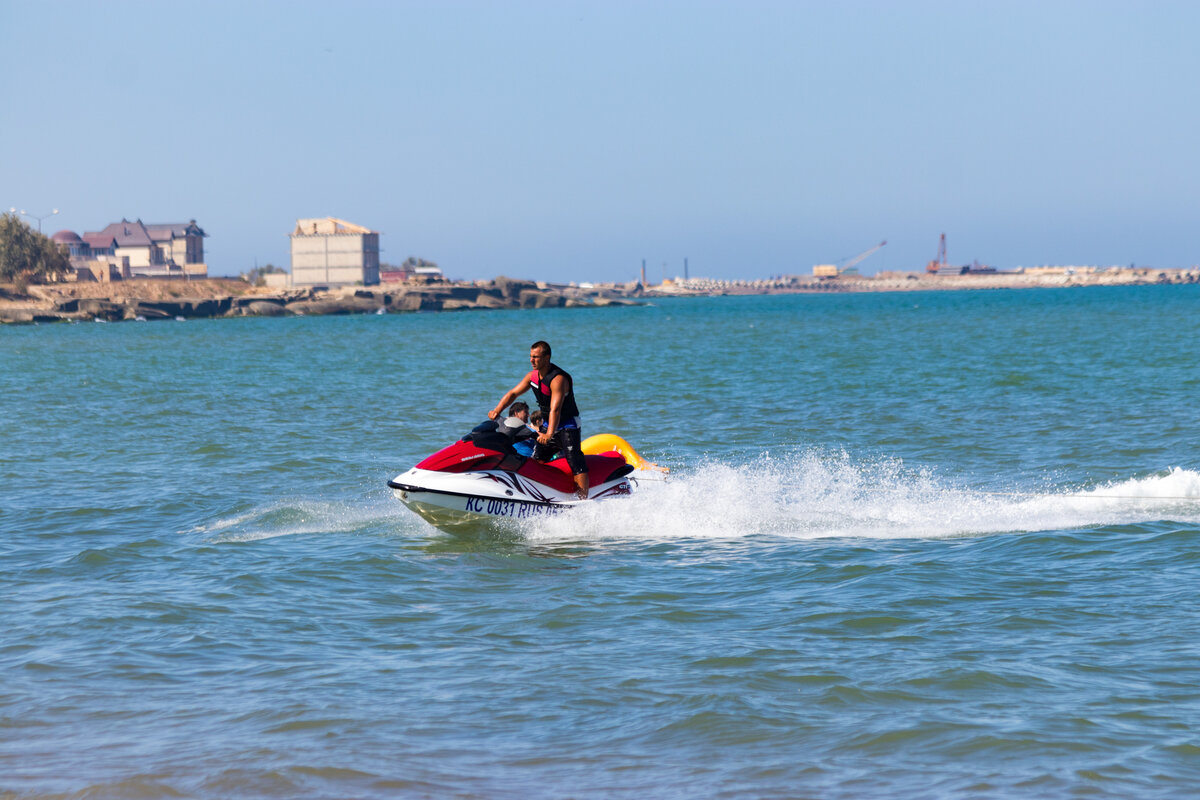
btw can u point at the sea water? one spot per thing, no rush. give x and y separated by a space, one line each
916 545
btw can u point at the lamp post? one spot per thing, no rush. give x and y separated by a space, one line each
25 213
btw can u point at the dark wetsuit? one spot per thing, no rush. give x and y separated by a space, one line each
566 438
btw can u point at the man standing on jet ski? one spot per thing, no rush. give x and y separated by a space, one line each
555 393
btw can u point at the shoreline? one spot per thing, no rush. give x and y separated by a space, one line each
1058 278
151 299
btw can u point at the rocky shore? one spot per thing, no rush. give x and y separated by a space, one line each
148 299
156 299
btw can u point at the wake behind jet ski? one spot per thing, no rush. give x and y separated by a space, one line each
482 478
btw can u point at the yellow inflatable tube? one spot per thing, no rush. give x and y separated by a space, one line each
608 442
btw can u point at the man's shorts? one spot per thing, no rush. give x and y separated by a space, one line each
566 441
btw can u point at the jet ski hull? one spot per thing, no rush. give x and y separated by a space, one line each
482 479
453 500
456 503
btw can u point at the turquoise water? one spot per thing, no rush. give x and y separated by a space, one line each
913 545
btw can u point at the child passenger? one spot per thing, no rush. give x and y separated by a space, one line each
516 426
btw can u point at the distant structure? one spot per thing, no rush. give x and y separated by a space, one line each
332 252
849 267
137 250
412 269
939 266
88 266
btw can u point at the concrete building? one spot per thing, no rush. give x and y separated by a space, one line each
332 252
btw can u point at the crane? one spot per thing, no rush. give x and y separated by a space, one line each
858 259
939 262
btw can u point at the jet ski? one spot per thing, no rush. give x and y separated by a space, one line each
482 478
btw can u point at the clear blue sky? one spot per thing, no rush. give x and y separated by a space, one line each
568 141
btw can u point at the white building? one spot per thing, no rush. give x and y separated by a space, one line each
332 252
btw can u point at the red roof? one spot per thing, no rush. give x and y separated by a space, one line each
99 241
126 234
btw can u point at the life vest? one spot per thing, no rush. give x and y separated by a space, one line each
541 390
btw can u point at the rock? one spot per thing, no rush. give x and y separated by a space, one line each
415 301
15 316
245 300
334 305
492 300
264 308
149 311
534 298
101 308
601 302
458 305
212 307
510 288
470 293
155 310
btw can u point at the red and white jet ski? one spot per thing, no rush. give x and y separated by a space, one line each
481 478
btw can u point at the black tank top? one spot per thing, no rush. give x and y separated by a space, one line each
541 390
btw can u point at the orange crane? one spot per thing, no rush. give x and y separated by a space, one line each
940 261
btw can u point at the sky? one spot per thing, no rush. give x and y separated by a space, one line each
570 141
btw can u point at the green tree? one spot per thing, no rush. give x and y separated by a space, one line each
27 255
255 276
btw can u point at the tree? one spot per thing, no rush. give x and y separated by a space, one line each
27 255
255 276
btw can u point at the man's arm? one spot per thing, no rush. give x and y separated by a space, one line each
513 394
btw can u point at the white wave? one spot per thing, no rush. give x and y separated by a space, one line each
1176 484
821 495
292 517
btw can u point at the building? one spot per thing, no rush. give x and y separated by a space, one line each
138 250
85 265
410 270
332 252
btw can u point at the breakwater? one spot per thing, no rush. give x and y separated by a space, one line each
157 299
